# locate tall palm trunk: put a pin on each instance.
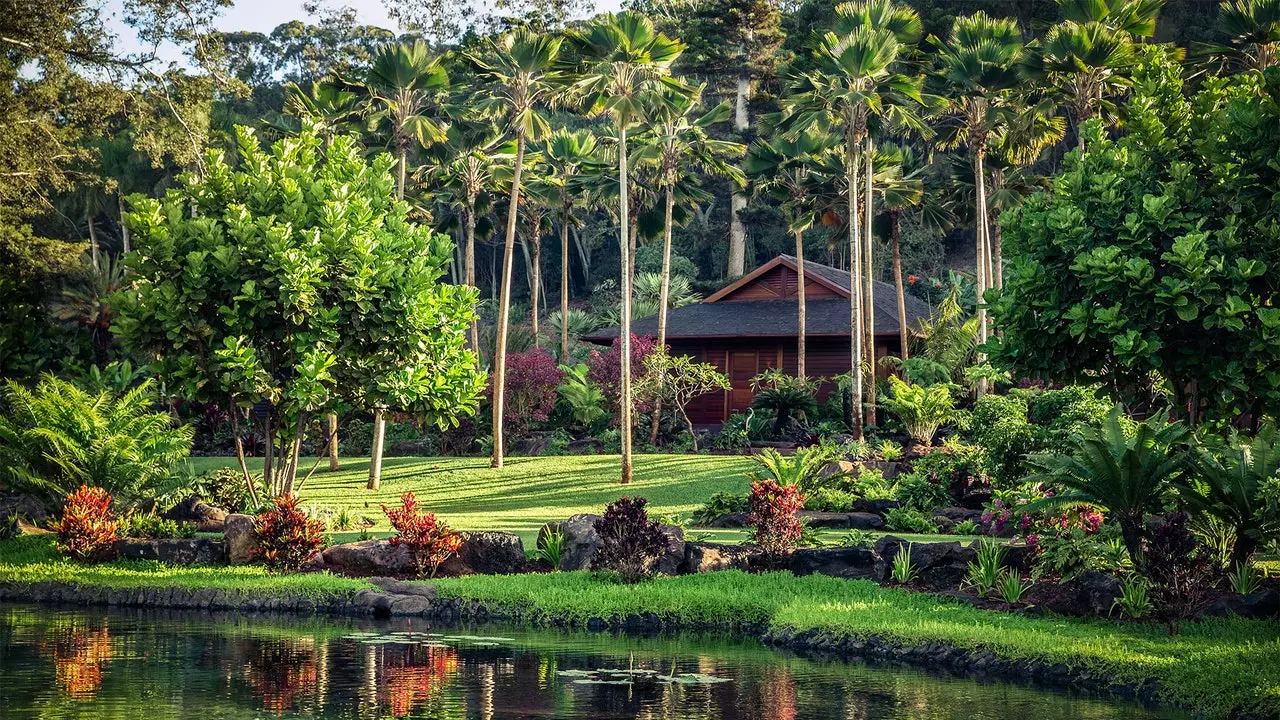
(983, 266)
(470, 269)
(126, 238)
(504, 308)
(997, 238)
(738, 199)
(93, 241)
(663, 289)
(535, 285)
(624, 401)
(800, 303)
(868, 301)
(896, 235)
(564, 282)
(855, 287)
(380, 411)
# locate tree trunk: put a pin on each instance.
(404, 164)
(333, 442)
(126, 238)
(295, 451)
(983, 267)
(504, 308)
(664, 288)
(93, 242)
(624, 401)
(564, 283)
(470, 268)
(250, 485)
(868, 300)
(895, 232)
(855, 275)
(535, 284)
(738, 199)
(800, 304)
(268, 455)
(375, 450)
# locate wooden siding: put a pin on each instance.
(780, 283)
(744, 358)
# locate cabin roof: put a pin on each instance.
(722, 316)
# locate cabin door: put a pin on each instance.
(744, 365)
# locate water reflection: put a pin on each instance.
(158, 665)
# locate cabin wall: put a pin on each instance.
(744, 358)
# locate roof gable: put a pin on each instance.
(778, 279)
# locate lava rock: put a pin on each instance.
(1258, 605)
(875, 507)
(237, 533)
(1091, 593)
(26, 507)
(208, 518)
(370, 557)
(827, 520)
(939, 566)
(701, 557)
(958, 515)
(845, 562)
(488, 553)
(172, 551)
(580, 542)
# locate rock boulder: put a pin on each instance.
(581, 541)
(700, 557)
(237, 533)
(843, 562)
(172, 551)
(369, 557)
(939, 566)
(487, 553)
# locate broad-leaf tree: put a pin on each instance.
(291, 283)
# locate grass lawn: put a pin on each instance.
(528, 491)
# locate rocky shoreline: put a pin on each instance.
(395, 598)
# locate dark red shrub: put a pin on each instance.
(87, 529)
(1177, 566)
(429, 540)
(530, 388)
(286, 537)
(773, 517)
(604, 369)
(630, 543)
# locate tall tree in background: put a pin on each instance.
(978, 62)
(677, 142)
(567, 152)
(784, 168)
(624, 67)
(737, 40)
(1083, 64)
(519, 74)
(1252, 28)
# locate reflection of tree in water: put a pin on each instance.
(78, 653)
(778, 694)
(414, 675)
(280, 672)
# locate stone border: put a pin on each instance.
(395, 598)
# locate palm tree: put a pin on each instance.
(901, 188)
(677, 143)
(1232, 476)
(1253, 31)
(854, 79)
(978, 64)
(519, 73)
(784, 168)
(567, 152)
(1136, 18)
(1033, 130)
(86, 302)
(624, 64)
(406, 89)
(1083, 63)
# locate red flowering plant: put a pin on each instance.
(87, 529)
(429, 540)
(630, 543)
(285, 536)
(776, 527)
(1007, 511)
(530, 389)
(604, 369)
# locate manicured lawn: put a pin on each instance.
(528, 491)
(32, 558)
(1214, 665)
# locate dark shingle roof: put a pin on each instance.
(777, 318)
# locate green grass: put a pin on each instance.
(32, 559)
(528, 492)
(1214, 665)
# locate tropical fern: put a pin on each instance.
(57, 437)
(922, 409)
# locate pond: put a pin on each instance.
(158, 664)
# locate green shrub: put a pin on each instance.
(918, 492)
(967, 527)
(1060, 414)
(56, 437)
(858, 538)
(224, 488)
(957, 467)
(830, 500)
(1070, 554)
(904, 519)
(922, 409)
(154, 527)
(802, 469)
(889, 451)
(721, 503)
(999, 424)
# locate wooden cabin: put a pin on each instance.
(750, 325)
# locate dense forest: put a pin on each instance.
(83, 125)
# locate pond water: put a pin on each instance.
(158, 664)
